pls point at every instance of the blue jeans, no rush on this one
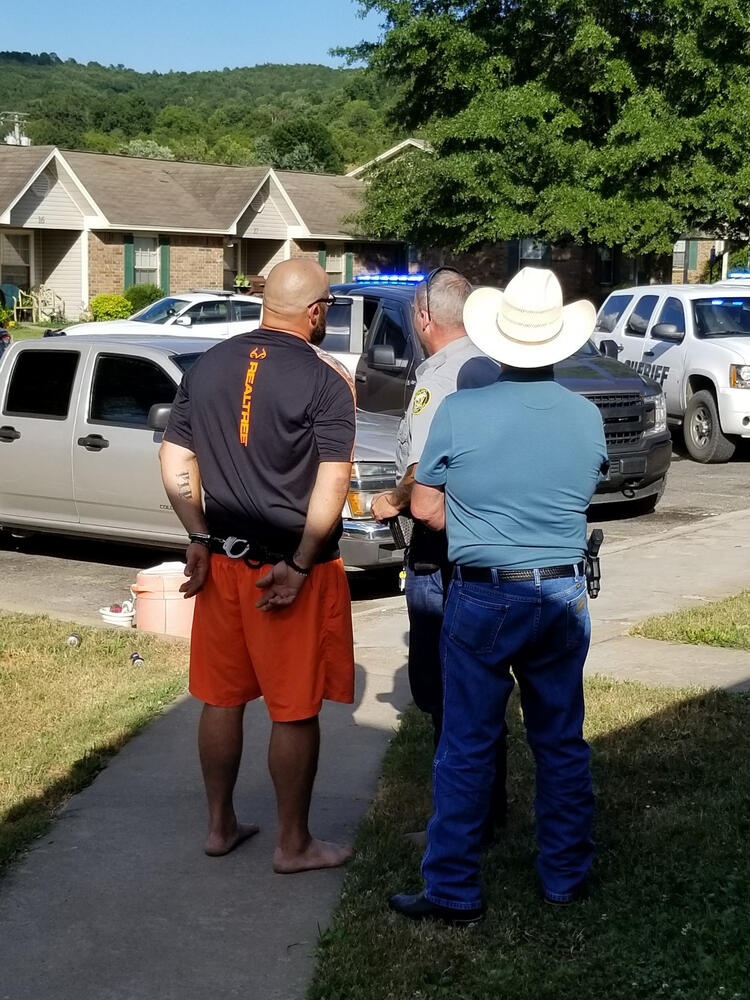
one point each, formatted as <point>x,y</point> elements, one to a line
<point>541,628</point>
<point>424,601</point>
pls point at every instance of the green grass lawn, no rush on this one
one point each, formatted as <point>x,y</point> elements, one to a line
<point>28,331</point>
<point>720,623</point>
<point>66,710</point>
<point>668,915</point>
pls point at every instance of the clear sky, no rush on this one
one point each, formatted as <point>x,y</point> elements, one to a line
<point>188,34</point>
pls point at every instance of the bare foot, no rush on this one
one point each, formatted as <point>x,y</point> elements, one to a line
<point>217,847</point>
<point>318,854</point>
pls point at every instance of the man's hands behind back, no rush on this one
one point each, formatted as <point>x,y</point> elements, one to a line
<point>197,568</point>
<point>281,585</point>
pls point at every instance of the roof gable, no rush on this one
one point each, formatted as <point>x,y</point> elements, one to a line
<point>324,202</point>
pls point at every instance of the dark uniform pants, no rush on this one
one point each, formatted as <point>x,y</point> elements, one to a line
<point>425,597</point>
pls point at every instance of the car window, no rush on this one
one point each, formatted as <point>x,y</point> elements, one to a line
<point>246,310</point>
<point>160,311</point>
<point>338,326</point>
<point>125,389</point>
<point>41,384</point>
<point>213,311</point>
<point>672,312</point>
<point>611,311</point>
<point>637,323</point>
<point>722,317</point>
<point>369,308</point>
<point>390,331</point>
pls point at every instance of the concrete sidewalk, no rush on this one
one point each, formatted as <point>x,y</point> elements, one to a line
<point>118,902</point>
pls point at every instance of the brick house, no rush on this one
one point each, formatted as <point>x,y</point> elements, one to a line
<point>85,224</point>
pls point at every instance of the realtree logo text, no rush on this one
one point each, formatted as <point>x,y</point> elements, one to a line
<point>258,354</point>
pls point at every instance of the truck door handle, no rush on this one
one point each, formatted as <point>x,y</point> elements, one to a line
<point>94,442</point>
<point>648,354</point>
<point>9,434</point>
<point>360,378</point>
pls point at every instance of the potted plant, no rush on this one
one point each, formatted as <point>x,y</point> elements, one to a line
<point>242,284</point>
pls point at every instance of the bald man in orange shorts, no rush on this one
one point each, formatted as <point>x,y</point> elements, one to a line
<point>264,422</point>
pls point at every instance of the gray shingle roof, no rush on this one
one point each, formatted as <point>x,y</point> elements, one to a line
<point>152,194</point>
<point>17,166</point>
<point>325,201</point>
<point>167,194</point>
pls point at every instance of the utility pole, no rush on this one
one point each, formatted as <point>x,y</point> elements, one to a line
<point>16,120</point>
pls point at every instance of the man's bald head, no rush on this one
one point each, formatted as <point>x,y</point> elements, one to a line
<point>292,285</point>
<point>294,299</point>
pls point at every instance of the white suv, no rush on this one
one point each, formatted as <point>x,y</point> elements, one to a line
<point>201,313</point>
<point>694,340</point>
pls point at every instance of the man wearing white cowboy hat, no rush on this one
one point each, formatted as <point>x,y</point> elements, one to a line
<point>509,470</point>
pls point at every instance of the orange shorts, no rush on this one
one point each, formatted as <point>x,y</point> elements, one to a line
<point>294,657</point>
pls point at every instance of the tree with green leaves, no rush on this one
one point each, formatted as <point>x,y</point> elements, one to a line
<point>619,123</point>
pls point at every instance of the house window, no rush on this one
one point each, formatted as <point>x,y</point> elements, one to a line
<point>146,260</point>
<point>335,266</point>
<point>15,259</point>
<point>531,253</point>
<point>678,255</point>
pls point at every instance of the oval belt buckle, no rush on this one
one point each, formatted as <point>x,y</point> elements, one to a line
<point>231,544</point>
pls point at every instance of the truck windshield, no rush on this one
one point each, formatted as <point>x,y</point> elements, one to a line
<point>722,317</point>
<point>160,311</point>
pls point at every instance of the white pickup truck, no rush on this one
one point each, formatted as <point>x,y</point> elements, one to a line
<point>694,340</point>
<point>81,421</point>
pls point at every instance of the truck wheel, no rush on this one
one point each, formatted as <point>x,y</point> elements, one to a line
<point>704,439</point>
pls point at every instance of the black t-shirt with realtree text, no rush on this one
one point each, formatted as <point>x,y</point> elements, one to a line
<point>261,411</point>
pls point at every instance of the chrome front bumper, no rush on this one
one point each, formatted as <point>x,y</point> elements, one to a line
<point>368,545</point>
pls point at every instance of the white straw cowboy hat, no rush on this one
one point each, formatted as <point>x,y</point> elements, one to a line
<point>527,326</point>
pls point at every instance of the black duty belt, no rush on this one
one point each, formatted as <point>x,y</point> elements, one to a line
<point>482,574</point>
<point>251,551</point>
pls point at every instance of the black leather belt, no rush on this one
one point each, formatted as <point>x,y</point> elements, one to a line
<point>482,574</point>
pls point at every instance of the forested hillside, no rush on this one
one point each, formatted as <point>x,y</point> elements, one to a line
<point>301,117</point>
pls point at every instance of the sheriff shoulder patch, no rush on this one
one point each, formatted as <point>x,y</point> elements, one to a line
<point>421,399</point>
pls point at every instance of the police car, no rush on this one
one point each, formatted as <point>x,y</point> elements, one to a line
<point>694,341</point>
<point>632,405</point>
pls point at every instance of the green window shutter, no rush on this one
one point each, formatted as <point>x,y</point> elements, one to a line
<point>129,260</point>
<point>322,257</point>
<point>348,266</point>
<point>692,255</point>
<point>164,264</point>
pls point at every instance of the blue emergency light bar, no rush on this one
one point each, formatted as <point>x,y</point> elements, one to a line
<point>389,279</point>
<point>739,272</point>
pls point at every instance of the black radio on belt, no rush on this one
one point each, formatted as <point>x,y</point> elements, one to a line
<point>593,569</point>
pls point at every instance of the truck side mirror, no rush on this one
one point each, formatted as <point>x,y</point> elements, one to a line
<point>184,321</point>
<point>158,416</point>
<point>609,348</point>
<point>382,356</point>
<point>667,331</point>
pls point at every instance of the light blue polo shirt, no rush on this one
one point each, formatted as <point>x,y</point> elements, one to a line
<point>519,460</point>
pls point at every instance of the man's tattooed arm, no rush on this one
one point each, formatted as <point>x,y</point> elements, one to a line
<point>182,482</point>
<point>184,489</point>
